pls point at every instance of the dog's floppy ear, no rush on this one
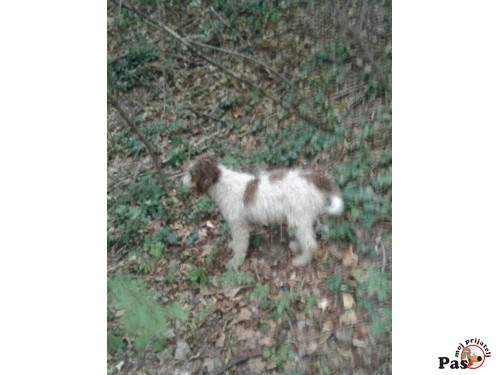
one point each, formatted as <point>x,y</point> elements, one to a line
<point>207,181</point>
<point>205,173</point>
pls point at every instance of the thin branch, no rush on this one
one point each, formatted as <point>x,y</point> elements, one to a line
<point>238,361</point>
<point>227,24</point>
<point>201,114</point>
<point>203,139</point>
<point>246,57</point>
<point>242,359</point>
<point>149,148</point>
<point>119,57</point>
<point>294,336</point>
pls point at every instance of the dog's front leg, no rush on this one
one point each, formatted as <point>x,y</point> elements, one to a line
<point>240,233</point>
<point>308,244</point>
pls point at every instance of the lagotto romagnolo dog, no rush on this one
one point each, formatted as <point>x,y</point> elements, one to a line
<point>295,196</point>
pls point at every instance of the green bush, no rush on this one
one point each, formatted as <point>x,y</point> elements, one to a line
<point>144,320</point>
<point>376,284</point>
<point>372,294</point>
<point>131,214</point>
<point>310,301</point>
<point>260,292</point>
<point>279,355</point>
<point>197,278</point>
<point>125,72</point>
<point>381,321</point>
<point>334,283</point>
<point>114,343</point>
<point>232,278</point>
<point>156,242</point>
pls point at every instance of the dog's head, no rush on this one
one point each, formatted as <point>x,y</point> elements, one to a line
<point>202,174</point>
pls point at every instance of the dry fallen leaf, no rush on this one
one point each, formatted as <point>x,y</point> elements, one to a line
<point>120,365</point>
<point>243,316</point>
<point>232,292</point>
<point>336,251</point>
<point>358,274</point>
<point>348,317</point>
<point>223,306</point>
<point>359,343</point>
<point>206,250</point>
<point>257,366</point>
<point>266,341</point>
<point>345,353</point>
<point>312,347</point>
<point>349,259</point>
<point>209,365</point>
<point>202,233</point>
<point>220,341</point>
<point>326,331</point>
<point>348,301</point>
<point>241,334</point>
<point>323,304</point>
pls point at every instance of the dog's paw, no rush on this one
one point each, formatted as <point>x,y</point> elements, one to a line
<point>235,263</point>
<point>301,261</point>
<point>294,246</point>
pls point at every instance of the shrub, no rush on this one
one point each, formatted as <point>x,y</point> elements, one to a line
<point>144,320</point>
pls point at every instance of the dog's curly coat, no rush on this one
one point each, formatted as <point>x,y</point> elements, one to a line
<point>295,195</point>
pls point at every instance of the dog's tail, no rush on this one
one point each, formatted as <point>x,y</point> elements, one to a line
<point>336,206</point>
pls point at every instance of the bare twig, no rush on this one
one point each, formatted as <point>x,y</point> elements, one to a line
<point>115,59</point>
<point>205,138</point>
<point>384,260</point>
<point>294,336</point>
<point>226,23</point>
<point>246,57</point>
<point>149,148</point>
<point>238,361</point>
<point>201,114</point>
<point>379,246</point>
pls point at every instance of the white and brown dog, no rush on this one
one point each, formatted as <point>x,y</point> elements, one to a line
<point>293,195</point>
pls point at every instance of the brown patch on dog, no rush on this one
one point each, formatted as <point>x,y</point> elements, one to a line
<point>320,181</point>
<point>277,174</point>
<point>250,191</point>
<point>205,173</point>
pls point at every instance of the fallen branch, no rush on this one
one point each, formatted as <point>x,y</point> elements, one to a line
<point>238,361</point>
<point>207,116</point>
<point>246,57</point>
<point>135,130</point>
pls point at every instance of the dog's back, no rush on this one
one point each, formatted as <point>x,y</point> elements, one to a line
<point>283,194</point>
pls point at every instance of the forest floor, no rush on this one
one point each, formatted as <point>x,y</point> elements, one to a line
<point>260,84</point>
